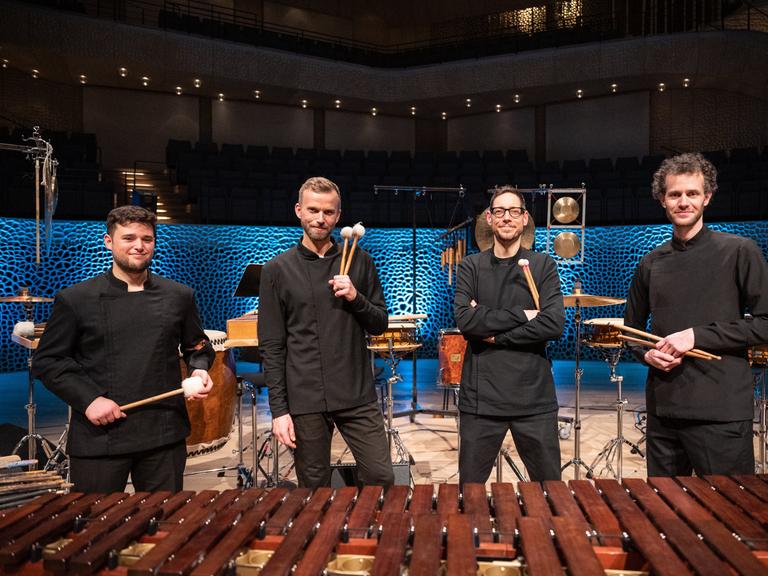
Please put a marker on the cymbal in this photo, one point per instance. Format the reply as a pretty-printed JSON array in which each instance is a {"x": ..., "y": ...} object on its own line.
[
  {"x": 565, "y": 210},
  {"x": 590, "y": 300},
  {"x": 484, "y": 234},
  {"x": 26, "y": 298}
]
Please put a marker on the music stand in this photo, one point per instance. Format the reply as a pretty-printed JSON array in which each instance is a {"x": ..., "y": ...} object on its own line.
[{"x": 249, "y": 282}]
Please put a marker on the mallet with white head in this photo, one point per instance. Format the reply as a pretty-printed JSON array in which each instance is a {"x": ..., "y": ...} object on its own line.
[
  {"x": 189, "y": 387},
  {"x": 523, "y": 263}
]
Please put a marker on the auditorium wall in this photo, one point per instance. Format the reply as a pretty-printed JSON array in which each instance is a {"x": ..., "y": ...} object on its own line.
[
  {"x": 351, "y": 131},
  {"x": 509, "y": 129},
  {"x": 609, "y": 127},
  {"x": 136, "y": 125},
  {"x": 262, "y": 124}
]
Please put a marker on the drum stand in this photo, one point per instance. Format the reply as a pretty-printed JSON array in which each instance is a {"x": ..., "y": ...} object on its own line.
[
  {"x": 393, "y": 434},
  {"x": 504, "y": 453},
  {"x": 576, "y": 461},
  {"x": 245, "y": 476},
  {"x": 613, "y": 448}
]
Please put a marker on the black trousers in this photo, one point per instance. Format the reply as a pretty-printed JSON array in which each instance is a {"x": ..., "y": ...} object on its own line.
[
  {"x": 362, "y": 428},
  {"x": 678, "y": 447},
  {"x": 535, "y": 437},
  {"x": 150, "y": 470}
]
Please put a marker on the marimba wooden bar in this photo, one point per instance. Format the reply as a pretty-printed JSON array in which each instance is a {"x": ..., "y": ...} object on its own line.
[{"x": 667, "y": 526}]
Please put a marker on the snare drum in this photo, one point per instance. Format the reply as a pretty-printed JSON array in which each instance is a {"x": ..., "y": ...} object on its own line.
[
  {"x": 402, "y": 335},
  {"x": 601, "y": 332},
  {"x": 450, "y": 352},
  {"x": 758, "y": 355},
  {"x": 213, "y": 417}
]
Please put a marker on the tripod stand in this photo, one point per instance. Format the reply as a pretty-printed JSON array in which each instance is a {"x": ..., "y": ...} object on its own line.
[
  {"x": 613, "y": 448},
  {"x": 393, "y": 434},
  {"x": 576, "y": 461}
]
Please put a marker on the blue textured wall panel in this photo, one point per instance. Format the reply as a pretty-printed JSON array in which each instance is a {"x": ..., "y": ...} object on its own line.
[{"x": 211, "y": 259}]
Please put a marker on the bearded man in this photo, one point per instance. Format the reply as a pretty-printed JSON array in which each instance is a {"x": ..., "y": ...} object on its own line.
[
  {"x": 115, "y": 339},
  {"x": 506, "y": 381},
  {"x": 312, "y": 325}
]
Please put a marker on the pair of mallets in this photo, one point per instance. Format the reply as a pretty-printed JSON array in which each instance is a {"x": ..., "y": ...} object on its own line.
[{"x": 355, "y": 232}]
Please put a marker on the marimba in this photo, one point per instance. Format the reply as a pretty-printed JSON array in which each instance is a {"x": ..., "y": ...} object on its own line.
[{"x": 665, "y": 526}]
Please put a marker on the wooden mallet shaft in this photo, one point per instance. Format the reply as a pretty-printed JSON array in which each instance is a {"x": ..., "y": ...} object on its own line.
[
  {"x": 531, "y": 284},
  {"x": 648, "y": 344},
  {"x": 344, "y": 255},
  {"x": 351, "y": 253},
  {"x": 635, "y": 331},
  {"x": 152, "y": 399}
]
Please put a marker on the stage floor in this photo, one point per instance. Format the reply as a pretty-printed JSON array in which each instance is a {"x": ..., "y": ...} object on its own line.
[{"x": 430, "y": 440}]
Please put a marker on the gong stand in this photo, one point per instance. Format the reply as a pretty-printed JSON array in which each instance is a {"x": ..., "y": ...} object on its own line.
[{"x": 417, "y": 192}]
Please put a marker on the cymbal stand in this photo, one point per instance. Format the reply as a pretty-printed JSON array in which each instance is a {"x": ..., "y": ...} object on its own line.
[
  {"x": 393, "y": 434},
  {"x": 613, "y": 448},
  {"x": 32, "y": 437},
  {"x": 576, "y": 461}
]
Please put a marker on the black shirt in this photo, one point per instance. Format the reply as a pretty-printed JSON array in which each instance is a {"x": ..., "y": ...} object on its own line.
[
  {"x": 102, "y": 340},
  {"x": 511, "y": 377},
  {"x": 313, "y": 343},
  {"x": 706, "y": 283}
]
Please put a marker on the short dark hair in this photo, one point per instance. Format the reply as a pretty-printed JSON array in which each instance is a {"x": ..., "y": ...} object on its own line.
[
  {"x": 506, "y": 190},
  {"x": 319, "y": 184},
  {"x": 688, "y": 163},
  {"x": 123, "y": 215}
]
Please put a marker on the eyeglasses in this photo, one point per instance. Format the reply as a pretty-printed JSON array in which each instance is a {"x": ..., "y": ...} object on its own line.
[{"x": 514, "y": 212}]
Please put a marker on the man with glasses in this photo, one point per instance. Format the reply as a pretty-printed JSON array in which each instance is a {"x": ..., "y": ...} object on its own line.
[{"x": 507, "y": 381}]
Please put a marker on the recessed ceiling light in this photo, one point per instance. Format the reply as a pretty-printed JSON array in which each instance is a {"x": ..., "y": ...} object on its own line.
[
  {"x": 5, "y": 63},
  {"x": 337, "y": 103},
  {"x": 83, "y": 79},
  {"x": 413, "y": 110},
  {"x": 221, "y": 97},
  {"x": 374, "y": 111},
  {"x": 498, "y": 107},
  {"x": 517, "y": 98},
  {"x": 123, "y": 72},
  {"x": 257, "y": 94},
  {"x": 614, "y": 87},
  {"x": 579, "y": 93},
  {"x": 145, "y": 80},
  {"x": 686, "y": 82},
  {"x": 197, "y": 82},
  {"x": 304, "y": 103},
  {"x": 35, "y": 72},
  {"x": 443, "y": 115},
  {"x": 179, "y": 90},
  {"x": 662, "y": 86},
  {"x": 469, "y": 102}
]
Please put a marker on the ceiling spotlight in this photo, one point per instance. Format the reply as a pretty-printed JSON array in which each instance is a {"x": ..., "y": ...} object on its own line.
[
  {"x": 579, "y": 93},
  {"x": 374, "y": 111},
  {"x": 123, "y": 72},
  {"x": 517, "y": 98},
  {"x": 614, "y": 87},
  {"x": 221, "y": 97},
  {"x": 83, "y": 79},
  {"x": 35, "y": 72},
  {"x": 145, "y": 80},
  {"x": 304, "y": 103},
  {"x": 179, "y": 90},
  {"x": 337, "y": 103},
  {"x": 686, "y": 82},
  {"x": 197, "y": 82},
  {"x": 5, "y": 63},
  {"x": 443, "y": 115},
  {"x": 498, "y": 107},
  {"x": 662, "y": 86},
  {"x": 413, "y": 110},
  {"x": 469, "y": 102},
  {"x": 257, "y": 94}
]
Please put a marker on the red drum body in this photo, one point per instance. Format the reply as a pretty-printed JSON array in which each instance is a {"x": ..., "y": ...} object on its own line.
[
  {"x": 450, "y": 352},
  {"x": 213, "y": 417}
]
